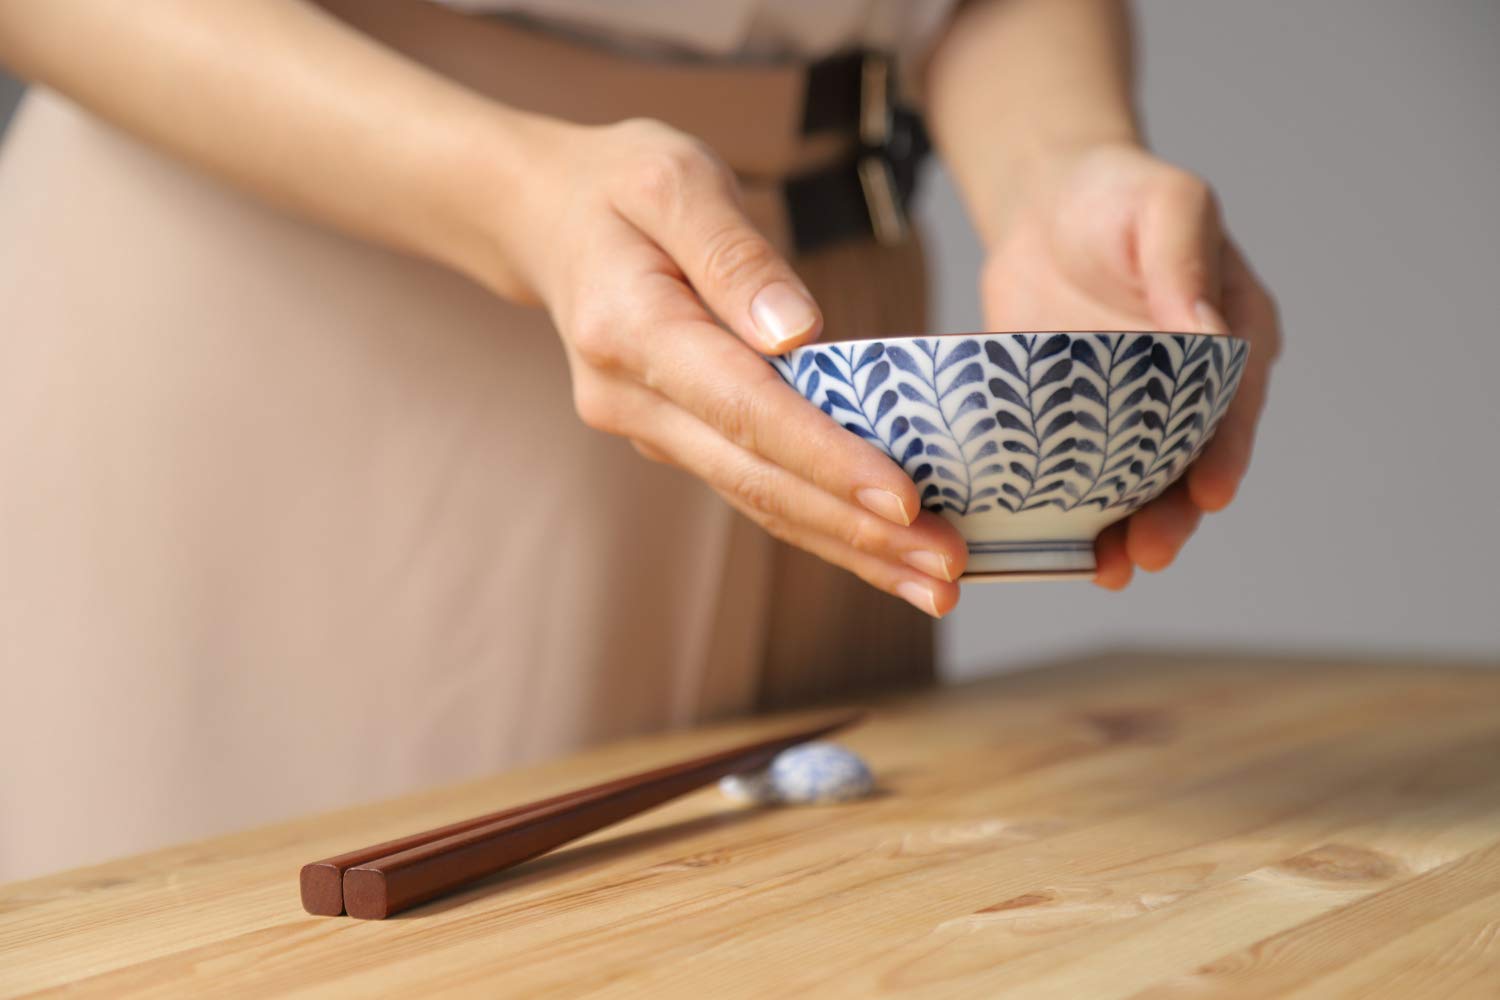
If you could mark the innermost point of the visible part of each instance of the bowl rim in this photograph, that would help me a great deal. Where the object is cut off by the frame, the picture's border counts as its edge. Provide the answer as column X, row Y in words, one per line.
column 1010, row 333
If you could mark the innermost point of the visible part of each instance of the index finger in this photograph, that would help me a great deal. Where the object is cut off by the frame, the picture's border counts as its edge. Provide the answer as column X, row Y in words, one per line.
column 1251, row 313
column 728, row 386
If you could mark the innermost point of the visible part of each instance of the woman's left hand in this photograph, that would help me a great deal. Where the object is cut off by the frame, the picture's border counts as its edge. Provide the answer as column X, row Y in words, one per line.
column 1111, row 238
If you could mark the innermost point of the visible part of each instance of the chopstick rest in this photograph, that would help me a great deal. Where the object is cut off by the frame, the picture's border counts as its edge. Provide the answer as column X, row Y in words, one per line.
column 385, row 878
column 807, row 774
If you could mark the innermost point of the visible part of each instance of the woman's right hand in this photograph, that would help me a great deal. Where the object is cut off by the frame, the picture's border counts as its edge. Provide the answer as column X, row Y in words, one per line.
column 664, row 293
column 630, row 234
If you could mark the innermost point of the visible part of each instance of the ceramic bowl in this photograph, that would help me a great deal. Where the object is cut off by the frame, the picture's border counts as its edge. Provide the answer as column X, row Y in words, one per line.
column 1031, row 443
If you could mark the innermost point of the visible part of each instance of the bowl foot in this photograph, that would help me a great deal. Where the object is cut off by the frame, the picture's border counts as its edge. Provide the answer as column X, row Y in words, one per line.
column 1024, row 577
column 1050, row 559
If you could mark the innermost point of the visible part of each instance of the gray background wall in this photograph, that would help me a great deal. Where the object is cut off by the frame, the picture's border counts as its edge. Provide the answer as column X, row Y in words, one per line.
column 1355, row 144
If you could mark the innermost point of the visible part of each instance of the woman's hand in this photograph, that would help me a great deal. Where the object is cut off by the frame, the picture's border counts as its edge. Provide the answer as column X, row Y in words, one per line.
column 629, row 234
column 1111, row 238
column 665, row 295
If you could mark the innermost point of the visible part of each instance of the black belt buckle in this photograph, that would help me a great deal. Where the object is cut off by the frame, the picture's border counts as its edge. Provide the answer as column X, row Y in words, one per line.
column 884, row 137
column 866, row 195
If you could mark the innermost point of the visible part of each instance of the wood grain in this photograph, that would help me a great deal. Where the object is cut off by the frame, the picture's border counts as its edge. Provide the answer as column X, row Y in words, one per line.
column 384, row 879
column 1134, row 825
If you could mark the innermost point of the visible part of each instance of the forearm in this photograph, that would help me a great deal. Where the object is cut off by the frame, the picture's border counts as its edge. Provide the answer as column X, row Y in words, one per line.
column 1014, row 83
column 283, row 99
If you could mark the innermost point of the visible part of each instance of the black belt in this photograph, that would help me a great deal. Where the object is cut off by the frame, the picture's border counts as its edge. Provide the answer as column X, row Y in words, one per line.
column 868, row 195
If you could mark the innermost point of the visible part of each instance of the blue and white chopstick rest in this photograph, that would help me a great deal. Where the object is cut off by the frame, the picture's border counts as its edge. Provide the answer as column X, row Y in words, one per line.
column 806, row 774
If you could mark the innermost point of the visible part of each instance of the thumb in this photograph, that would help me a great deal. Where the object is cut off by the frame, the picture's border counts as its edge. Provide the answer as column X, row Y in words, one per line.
column 696, row 219
column 742, row 278
column 1181, row 244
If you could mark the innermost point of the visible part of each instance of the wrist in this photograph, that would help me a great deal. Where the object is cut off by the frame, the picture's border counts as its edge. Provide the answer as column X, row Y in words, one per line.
column 1029, row 166
column 497, row 195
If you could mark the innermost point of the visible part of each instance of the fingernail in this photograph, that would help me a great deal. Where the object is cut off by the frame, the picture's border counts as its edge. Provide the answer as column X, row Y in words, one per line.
column 919, row 596
column 931, row 563
column 885, row 503
column 1209, row 320
column 782, row 313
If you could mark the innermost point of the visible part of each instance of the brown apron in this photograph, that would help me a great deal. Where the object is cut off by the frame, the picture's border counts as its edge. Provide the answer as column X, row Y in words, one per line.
column 281, row 512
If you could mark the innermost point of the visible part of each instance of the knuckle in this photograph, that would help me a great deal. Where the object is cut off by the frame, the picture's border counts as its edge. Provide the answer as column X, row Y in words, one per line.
column 736, row 415
column 661, row 174
column 1193, row 270
column 669, row 166
column 595, row 406
column 756, row 491
column 1188, row 186
column 1190, row 195
column 863, row 534
column 778, row 528
column 649, row 452
column 733, row 255
column 596, row 340
column 640, row 129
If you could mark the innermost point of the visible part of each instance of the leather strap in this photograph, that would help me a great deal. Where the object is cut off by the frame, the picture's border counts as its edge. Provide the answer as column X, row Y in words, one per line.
column 865, row 196
column 833, row 94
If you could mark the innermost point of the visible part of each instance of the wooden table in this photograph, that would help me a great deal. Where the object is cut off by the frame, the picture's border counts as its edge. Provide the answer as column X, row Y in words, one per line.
column 1136, row 825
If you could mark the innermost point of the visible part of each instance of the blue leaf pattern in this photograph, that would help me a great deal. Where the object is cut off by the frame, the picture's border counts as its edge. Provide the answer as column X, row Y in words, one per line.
column 1101, row 420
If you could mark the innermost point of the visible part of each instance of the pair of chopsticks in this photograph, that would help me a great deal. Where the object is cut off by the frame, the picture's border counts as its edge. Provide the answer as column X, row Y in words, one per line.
column 374, row 882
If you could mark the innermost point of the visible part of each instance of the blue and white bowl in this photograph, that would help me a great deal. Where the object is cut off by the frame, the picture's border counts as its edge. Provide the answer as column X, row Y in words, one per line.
column 1031, row 443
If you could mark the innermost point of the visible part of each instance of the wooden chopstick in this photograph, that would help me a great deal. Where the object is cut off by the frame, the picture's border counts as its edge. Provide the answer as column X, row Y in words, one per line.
column 377, row 881
column 322, row 882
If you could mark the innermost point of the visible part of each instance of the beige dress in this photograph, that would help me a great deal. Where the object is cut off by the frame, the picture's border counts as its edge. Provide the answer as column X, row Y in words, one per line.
column 289, row 522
